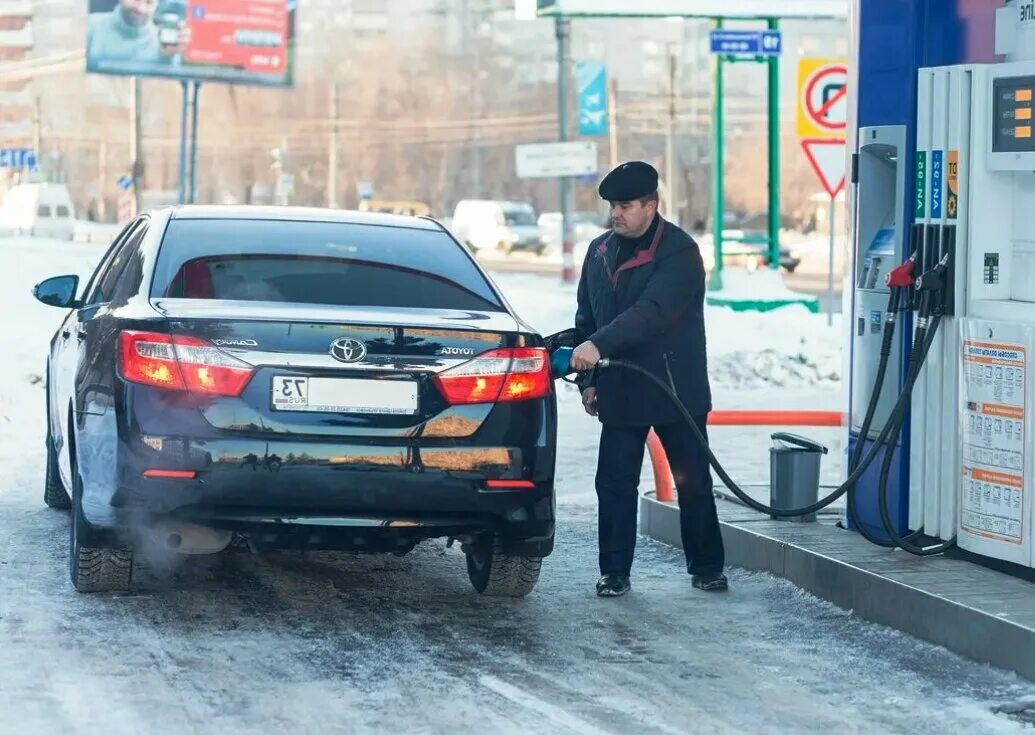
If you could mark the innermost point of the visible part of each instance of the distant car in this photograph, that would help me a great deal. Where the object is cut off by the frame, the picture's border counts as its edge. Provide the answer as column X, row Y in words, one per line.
column 756, row 253
column 585, row 227
column 296, row 378
column 497, row 225
column 40, row 210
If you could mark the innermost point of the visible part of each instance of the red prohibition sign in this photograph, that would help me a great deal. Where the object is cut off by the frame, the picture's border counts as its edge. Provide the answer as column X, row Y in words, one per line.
column 819, row 116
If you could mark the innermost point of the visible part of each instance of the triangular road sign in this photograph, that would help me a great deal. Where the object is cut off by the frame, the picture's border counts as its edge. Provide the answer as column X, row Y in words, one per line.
column 827, row 158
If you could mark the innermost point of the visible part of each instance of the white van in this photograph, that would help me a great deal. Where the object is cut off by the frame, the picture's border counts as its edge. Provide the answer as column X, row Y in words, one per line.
column 505, row 226
column 41, row 210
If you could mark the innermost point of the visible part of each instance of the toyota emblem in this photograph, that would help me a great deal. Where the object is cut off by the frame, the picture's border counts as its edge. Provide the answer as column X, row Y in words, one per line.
column 347, row 349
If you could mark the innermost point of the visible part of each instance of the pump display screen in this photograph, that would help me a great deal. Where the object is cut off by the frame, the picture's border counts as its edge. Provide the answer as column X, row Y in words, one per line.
column 1013, row 129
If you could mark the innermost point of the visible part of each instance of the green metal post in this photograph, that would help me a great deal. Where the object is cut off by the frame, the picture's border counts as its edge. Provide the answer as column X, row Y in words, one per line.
column 774, row 155
column 718, row 188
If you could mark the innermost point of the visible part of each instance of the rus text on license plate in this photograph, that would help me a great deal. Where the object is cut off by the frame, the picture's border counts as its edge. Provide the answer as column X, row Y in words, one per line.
column 344, row 395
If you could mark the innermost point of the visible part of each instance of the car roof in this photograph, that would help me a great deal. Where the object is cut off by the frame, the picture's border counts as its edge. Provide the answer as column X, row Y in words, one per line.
column 300, row 214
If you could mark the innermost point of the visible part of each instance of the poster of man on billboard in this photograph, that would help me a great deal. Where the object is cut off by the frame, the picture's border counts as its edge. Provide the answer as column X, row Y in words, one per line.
column 233, row 41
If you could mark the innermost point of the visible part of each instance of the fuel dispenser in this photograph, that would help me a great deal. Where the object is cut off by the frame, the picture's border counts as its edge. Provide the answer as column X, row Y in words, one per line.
column 971, row 432
column 881, row 245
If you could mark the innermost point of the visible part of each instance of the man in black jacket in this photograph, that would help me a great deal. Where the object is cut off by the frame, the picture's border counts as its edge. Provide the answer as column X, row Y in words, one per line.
column 641, row 299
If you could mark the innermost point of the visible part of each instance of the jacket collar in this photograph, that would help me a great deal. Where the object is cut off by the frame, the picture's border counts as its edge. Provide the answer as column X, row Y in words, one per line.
column 642, row 256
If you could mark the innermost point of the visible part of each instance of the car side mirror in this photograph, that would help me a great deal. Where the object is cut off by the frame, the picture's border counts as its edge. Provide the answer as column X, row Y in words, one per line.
column 58, row 291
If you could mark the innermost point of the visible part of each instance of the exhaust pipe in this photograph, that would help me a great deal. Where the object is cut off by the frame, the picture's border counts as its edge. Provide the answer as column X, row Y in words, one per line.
column 189, row 538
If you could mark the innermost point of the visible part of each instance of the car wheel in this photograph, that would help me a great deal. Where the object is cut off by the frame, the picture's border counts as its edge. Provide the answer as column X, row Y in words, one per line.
column 496, row 574
column 54, row 493
column 93, row 568
column 505, row 247
column 790, row 268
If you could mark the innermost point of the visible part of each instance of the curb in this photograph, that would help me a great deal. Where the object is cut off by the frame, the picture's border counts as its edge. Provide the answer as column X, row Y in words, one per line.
column 961, row 606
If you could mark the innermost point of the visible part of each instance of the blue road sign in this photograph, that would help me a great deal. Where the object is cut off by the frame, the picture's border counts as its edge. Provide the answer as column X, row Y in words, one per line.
column 17, row 158
column 591, row 77
column 749, row 43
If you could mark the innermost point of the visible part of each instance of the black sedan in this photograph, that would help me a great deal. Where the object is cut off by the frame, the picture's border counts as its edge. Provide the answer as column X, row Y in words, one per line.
column 296, row 378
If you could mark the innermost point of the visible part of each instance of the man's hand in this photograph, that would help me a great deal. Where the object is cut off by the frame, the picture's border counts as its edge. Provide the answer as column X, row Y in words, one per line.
column 589, row 401
column 585, row 357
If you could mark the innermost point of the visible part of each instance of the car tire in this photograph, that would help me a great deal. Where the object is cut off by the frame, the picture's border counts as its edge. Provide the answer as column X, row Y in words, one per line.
column 54, row 493
column 94, row 568
column 497, row 574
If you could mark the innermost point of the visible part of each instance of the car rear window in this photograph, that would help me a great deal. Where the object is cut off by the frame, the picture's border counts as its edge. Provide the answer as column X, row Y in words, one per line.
column 325, row 263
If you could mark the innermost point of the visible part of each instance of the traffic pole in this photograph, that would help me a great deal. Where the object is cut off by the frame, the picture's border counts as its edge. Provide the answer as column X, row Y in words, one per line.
column 562, row 26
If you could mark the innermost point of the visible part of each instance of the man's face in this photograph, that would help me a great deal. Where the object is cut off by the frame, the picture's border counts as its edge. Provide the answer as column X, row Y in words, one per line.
column 138, row 12
column 631, row 219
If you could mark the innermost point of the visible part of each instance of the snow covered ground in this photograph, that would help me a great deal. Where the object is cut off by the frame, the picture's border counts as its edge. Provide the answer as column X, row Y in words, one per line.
column 338, row 643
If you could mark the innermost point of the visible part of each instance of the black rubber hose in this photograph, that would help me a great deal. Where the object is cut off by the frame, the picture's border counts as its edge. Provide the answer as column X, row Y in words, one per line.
column 871, row 409
column 896, row 417
column 905, row 542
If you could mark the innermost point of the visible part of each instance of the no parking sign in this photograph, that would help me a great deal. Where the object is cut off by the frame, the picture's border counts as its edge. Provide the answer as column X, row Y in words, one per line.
column 822, row 98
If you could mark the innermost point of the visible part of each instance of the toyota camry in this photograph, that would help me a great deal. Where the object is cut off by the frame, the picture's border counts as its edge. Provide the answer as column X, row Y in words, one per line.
column 296, row 379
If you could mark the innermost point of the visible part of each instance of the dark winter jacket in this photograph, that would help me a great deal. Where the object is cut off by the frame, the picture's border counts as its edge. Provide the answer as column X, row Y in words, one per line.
column 649, row 310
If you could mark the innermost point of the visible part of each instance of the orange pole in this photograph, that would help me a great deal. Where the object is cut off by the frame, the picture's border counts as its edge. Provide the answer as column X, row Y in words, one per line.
column 776, row 418
column 663, row 485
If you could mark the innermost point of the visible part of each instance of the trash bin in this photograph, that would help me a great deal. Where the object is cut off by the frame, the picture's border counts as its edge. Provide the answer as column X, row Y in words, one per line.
column 794, row 473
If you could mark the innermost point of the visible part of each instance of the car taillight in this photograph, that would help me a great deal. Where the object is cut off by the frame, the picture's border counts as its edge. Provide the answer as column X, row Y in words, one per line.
column 180, row 363
column 504, row 375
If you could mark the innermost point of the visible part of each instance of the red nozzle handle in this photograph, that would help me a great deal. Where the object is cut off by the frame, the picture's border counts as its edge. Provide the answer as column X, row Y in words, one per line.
column 902, row 276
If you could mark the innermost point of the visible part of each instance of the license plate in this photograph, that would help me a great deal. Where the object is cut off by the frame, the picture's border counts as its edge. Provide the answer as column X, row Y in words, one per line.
column 344, row 395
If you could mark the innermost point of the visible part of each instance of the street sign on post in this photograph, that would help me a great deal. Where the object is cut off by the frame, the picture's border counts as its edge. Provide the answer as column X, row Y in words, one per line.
column 20, row 158
column 822, row 120
column 822, row 98
column 591, row 78
column 551, row 160
column 827, row 158
column 746, row 42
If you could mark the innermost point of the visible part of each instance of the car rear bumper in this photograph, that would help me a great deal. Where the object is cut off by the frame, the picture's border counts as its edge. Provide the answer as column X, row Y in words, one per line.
column 257, row 485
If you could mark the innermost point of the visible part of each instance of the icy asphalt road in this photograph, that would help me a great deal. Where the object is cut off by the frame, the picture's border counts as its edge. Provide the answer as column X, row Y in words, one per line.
column 337, row 643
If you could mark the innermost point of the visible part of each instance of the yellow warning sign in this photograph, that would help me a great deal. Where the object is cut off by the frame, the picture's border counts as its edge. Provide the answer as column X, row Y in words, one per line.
column 952, row 201
column 822, row 98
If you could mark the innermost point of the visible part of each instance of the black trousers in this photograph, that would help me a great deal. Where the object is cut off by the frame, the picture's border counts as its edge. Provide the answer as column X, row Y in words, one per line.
column 618, row 479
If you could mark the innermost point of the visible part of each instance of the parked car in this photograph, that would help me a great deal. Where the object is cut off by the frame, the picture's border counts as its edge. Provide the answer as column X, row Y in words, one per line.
column 504, row 226
column 585, row 227
column 40, row 210
column 754, row 253
column 296, row 378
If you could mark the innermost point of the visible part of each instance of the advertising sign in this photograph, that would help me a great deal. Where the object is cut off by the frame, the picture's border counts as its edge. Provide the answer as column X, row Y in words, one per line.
column 232, row 41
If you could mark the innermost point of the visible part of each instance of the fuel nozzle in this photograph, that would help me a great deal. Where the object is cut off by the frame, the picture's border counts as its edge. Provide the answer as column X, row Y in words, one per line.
column 934, row 279
column 902, row 275
column 560, row 361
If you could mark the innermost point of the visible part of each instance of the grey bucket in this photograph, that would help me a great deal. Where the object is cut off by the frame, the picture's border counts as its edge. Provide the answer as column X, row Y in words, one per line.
column 794, row 473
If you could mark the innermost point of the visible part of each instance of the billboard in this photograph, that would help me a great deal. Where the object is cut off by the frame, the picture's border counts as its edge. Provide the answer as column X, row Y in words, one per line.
column 696, row 8
column 232, row 41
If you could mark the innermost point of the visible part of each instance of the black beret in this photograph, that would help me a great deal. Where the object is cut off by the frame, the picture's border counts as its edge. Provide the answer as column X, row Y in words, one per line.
column 629, row 182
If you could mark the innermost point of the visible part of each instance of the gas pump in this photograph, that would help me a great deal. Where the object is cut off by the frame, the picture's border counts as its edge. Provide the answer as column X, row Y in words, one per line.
column 881, row 245
column 970, row 463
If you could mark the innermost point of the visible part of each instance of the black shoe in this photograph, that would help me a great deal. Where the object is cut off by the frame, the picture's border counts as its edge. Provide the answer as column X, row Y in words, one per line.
column 613, row 585
column 710, row 582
